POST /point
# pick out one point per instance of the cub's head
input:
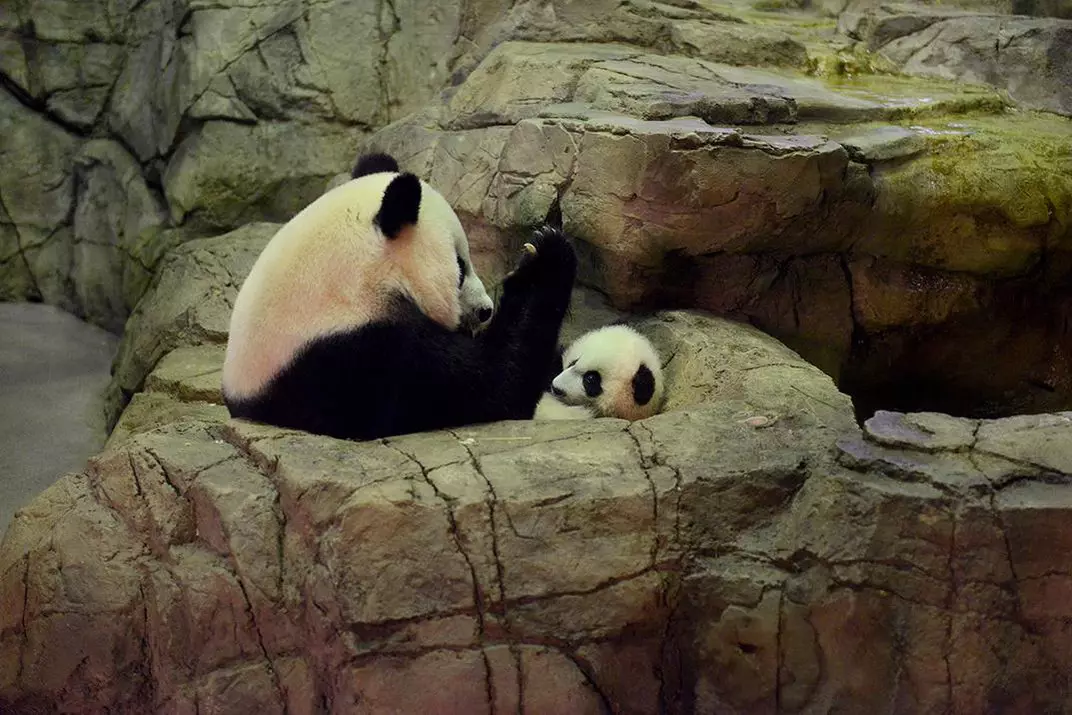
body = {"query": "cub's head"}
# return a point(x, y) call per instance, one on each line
point(425, 243)
point(613, 370)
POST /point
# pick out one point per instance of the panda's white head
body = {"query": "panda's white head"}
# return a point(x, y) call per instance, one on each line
point(424, 238)
point(342, 262)
point(613, 370)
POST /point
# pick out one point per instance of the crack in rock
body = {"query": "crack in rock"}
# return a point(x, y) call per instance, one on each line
point(478, 598)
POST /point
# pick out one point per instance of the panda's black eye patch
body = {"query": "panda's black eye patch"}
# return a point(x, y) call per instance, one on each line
point(593, 383)
point(461, 271)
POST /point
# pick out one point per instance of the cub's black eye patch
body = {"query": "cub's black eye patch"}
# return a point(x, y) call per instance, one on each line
point(643, 385)
point(593, 383)
point(461, 271)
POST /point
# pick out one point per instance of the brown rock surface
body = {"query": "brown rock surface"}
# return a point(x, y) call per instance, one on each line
point(860, 220)
point(710, 559)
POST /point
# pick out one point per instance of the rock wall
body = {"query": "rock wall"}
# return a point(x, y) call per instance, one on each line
point(118, 118)
point(756, 159)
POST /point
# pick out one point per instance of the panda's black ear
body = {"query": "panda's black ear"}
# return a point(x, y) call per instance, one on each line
point(643, 385)
point(374, 164)
point(401, 204)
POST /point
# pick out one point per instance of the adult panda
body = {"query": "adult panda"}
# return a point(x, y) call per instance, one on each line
point(348, 324)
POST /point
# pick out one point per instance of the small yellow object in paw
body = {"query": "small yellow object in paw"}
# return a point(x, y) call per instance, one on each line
point(530, 248)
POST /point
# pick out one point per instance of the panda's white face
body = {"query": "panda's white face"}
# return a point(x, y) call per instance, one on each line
point(477, 306)
point(614, 371)
point(438, 220)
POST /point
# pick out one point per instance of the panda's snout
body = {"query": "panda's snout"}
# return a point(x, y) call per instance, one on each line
point(477, 319)
point(557, 391)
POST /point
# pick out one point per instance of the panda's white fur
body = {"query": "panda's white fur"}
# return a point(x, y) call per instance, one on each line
point(612, 371)
point(347, 274)
point(549, 408)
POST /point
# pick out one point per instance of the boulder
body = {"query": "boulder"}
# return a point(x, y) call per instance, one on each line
point(188, 304)
point(749, 549)
point(1031, 58)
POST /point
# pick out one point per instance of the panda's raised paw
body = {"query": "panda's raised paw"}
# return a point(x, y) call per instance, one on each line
point(548, 255)
point(553, 249)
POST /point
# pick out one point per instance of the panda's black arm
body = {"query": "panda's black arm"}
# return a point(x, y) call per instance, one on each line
point(502, 373)
point(535, 299)
point(426, 377)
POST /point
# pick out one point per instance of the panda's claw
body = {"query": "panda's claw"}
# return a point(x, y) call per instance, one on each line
point(547, 253)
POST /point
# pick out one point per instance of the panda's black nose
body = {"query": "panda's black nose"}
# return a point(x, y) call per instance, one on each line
point(557, 392)
point(484, 315)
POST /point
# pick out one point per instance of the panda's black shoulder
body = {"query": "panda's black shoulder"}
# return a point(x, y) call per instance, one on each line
point(375, 163)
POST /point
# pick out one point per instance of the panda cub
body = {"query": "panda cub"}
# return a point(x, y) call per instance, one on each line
point(610, 372)
point(363, 317)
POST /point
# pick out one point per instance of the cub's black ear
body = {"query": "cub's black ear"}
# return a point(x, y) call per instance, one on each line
point(401, 204)
point(374, 164)
point(643, 385)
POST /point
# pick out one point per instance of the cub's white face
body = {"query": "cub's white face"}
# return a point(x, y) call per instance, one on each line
point(614, 371)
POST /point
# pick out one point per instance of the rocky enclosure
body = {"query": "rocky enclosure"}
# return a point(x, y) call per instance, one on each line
point(887, 188)
point(749, 550)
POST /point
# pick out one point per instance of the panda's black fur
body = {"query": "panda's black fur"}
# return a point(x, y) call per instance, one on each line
point(373, 164)
point(405, 372)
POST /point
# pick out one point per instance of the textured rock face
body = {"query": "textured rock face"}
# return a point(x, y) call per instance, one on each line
point(188, 304)
point(119, 116)
point(711, 559)
point(1029, 57)
point(857, 239)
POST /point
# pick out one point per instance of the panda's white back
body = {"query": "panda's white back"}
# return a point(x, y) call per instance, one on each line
point(330, 269)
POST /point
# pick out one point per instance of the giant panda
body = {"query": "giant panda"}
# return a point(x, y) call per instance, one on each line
point(363, 317)
point(612, 371)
